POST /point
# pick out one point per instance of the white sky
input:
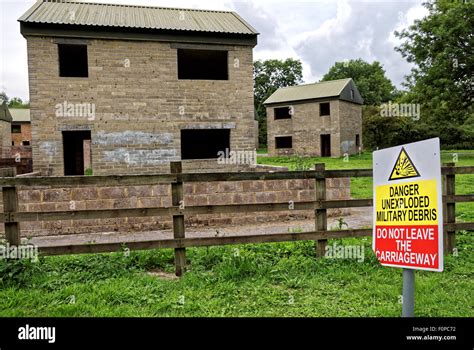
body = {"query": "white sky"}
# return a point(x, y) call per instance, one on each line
point(318, 32)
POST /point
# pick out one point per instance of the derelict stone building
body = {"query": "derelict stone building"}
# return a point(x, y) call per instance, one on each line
point(137, 87)
point(322, 119)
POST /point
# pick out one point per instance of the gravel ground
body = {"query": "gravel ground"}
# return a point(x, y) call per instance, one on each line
point(359, 218)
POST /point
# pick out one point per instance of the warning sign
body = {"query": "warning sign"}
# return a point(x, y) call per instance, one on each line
point(404, 168)
point(407, 206)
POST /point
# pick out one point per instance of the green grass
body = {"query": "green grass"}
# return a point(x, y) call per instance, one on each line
point(280, 279)
point(362, 187)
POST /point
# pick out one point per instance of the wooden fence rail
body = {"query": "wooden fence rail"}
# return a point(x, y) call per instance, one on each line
point(12, 218)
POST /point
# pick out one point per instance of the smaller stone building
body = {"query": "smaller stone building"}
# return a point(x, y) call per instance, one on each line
point(5, 131)
point(21, 132)
point(321, 119)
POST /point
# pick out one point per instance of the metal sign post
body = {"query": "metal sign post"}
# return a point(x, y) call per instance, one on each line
point(408, 296)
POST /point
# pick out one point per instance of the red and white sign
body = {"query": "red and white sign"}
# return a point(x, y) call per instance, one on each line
point(408, 218)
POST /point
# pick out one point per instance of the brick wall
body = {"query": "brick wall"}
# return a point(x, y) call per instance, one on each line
point(25, 134)
point(23, 151)
point(210, 193)
point(306, 126)
point(140, 105)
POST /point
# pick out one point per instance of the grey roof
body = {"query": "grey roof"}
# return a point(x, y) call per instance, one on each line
point(135, 17)
point(326, 89)
point(20, 115)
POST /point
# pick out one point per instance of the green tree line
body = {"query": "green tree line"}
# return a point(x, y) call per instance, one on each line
point(440, 86)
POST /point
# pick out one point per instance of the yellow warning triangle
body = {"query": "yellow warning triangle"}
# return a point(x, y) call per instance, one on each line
point(404, 167)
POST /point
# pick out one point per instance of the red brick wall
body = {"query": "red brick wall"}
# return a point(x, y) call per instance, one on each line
point(25, 134)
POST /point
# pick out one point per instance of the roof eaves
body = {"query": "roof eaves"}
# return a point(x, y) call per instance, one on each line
point(245, 23)
point(30, 11)
point(348, 80)
point(300, 100)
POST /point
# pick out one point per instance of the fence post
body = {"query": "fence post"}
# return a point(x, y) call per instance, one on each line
point(177, 198)
point(449, 189)
point(320, 215)
point(10, 205)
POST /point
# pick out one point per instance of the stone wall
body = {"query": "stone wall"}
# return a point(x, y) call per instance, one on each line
point(5, 138)
point(209, 193)
point(351, 125)
point(140, 105)
point(306, 126)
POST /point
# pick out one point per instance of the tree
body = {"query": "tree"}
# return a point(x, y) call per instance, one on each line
point(383, 132)
point(441, 47)
point(16, 102)
point(269, 76)
point(374, 87)
point(3, 97)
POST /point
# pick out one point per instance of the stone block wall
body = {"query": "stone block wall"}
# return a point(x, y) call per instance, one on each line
point(351, 125)
point(195, 194)
point(306, 126)
point(140, 105)
point(5, 139)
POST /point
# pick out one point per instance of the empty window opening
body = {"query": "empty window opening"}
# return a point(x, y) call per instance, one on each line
point(352, 94)
point(73, 61)
point(204, 143)
point(203, 64)
point(26, 143)
point(283, 113)
point(73, 149)
point(357, 141)
point(283, 142)
point(324, 109)
point(16, 129)
point(325, 145)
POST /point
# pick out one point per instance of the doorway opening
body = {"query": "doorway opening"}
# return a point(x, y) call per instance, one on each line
point(75, 157)
point(325, 145)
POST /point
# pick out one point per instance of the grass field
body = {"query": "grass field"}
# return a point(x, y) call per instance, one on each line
point(282, 279)
point(362, 187)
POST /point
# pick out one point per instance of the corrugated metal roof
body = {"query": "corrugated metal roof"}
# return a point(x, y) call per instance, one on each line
point(138, 17)
point(324, 89)
point(20, 115)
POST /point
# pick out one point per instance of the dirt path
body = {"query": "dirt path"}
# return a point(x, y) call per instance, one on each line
point(359, 218)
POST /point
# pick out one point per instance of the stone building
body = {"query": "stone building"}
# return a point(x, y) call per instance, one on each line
point(21, 132)
point(322, 119)
point(128, 89)
point(5, 131)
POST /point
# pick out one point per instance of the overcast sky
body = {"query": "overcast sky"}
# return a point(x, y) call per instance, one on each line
point(317, 32)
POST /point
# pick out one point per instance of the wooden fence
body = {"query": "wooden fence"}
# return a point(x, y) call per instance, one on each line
point(12, 217)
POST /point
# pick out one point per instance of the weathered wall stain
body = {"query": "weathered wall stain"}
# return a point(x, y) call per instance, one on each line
point(132, 138)
point(140, 157)
point(49, 149)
